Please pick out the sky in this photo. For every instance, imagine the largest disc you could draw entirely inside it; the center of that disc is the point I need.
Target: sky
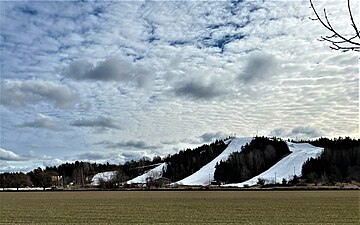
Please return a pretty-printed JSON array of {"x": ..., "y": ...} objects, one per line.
[{"x": 113, "y": 81}]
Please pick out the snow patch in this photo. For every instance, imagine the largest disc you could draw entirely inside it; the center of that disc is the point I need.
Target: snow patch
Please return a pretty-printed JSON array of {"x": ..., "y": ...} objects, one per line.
[
  {"x": 205, "y": 175},
  {"x": 25, "y": 189},
  {"x": 105, "y": 176},
  {"x": 154, "y": 173}
]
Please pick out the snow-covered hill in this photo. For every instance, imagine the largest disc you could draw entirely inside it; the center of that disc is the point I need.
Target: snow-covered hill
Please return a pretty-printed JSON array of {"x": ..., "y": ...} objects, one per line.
[
  {"x": 287, "y": 167},
  {"x": 206, "y": 173},
  {"x": 106, "y": 176},
  {"x": 154, "y": 173}
]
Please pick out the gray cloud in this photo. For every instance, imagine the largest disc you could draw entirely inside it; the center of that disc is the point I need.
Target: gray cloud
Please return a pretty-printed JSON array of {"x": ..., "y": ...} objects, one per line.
[
  {"x": 78, "y": 70},
  {"x": 95, "y": 155},
  {"x": 111, "y": 69},
  {"x": 137, "y": 144},
  {"x": 297, "y": 133},
  {"x": 259, "y": 66},
  {"x": 169, "y": 142},
  {"x": 211, "y": 136},
  {"x": 7, "y": 155},
  {"x": 306, "y": 132},
  {"x": 112, "y": 156},
  {"x": 44, "y": 122},
  {"x": 279, "y": 132},
  {"x": 22, "y": 93},
  {"x": 100, "y": 121},
  {"x": 200, "y": 91},
  {"x": 135, "y": 154}
]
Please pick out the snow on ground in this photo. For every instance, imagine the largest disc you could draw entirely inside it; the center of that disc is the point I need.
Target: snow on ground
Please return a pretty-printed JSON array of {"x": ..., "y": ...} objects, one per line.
[
  {"x": 106, "y": 176},
  {"x": 24, "y": 189},
  {"x": 155, "y": 173},
  {"x": 206, "y": 173},
  {"x": 287, "y": 167}
]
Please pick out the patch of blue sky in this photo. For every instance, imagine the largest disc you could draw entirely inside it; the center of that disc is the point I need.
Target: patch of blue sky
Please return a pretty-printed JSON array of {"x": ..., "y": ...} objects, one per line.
[{"x": 220, "y": 43}]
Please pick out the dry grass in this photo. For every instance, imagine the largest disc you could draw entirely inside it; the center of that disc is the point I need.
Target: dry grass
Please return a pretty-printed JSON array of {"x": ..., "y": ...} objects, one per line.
[{"x": 181, "y": 207}]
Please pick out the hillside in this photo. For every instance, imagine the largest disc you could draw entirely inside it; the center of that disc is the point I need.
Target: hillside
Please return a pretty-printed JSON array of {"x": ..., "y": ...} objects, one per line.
[
  {"x": 104, "y": 176},
  {"x": 206, "y": 173},
  {"x": 253, "y": 158},
  {"x": 287, "y": 167},
  {"x": 187, "y": 162},
  {"x": 154, "y": 173}
]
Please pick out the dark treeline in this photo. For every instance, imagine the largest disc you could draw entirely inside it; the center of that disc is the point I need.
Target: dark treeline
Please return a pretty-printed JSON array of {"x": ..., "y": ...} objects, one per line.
[
  {"x": 254, "y": 158},
  {"x": 135, "y": 168},
  {"x": 15, "y": 180},
  {"x": 76, "y": 173},
  {"x": 188, "y": 161},
  {"x": 80, "y": 173},
  {"x": 339, "y": 162}
]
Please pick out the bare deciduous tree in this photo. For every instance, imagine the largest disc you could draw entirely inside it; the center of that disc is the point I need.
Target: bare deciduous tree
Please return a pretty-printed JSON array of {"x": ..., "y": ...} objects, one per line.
[{"x": 338, "y": 41}]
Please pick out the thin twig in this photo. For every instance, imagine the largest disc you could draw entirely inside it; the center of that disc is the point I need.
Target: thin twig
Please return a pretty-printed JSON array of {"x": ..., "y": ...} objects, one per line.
[
  {"x": 336, "y": 35},
  {"x": 352, "y": 20}
]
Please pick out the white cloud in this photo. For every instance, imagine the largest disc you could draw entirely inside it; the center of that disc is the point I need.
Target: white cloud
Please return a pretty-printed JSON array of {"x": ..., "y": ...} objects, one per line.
[
  {"x": 7, "y": 155},
  {"x": 13, "y": 167},
  {"x": 53, "y": 162}
]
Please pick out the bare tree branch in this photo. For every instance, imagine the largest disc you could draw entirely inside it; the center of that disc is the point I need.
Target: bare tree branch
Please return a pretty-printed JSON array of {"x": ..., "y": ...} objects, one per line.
[
  {"x": 345, "y": 43},
  {"x": 352, "y": 20}
]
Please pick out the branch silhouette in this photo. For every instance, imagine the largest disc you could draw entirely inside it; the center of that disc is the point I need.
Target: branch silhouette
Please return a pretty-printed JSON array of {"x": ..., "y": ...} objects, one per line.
[{"x": 337, "y": 40}]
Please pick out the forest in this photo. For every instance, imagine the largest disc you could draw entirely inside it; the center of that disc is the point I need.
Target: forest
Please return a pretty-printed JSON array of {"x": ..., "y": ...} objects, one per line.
[
  {"x": 254, "y": 158},
  {"x": 79, "y": 174},
  {"x": 339, "y": 162},
  {"x": 187, "y": 162}
]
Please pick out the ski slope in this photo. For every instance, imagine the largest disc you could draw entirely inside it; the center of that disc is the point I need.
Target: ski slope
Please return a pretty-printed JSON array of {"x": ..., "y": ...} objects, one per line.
[
  {"x": 106, "y": 176},
  {"x": 287, "y": 167},
  {"x": 154, "y": 173},
  {"x": 206, "y": 173}
]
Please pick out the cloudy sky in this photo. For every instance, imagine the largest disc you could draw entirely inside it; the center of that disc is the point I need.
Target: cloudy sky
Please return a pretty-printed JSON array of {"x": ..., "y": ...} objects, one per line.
[{"x": 114, "y": 81}]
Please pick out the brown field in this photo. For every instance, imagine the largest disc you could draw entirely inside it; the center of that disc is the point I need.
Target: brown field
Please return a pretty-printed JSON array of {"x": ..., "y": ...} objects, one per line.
[{"x": 181, "y": 207}]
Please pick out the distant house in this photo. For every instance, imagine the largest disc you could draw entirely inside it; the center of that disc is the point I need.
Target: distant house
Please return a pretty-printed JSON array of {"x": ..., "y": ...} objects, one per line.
[{"x": 57, "y": 181}]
